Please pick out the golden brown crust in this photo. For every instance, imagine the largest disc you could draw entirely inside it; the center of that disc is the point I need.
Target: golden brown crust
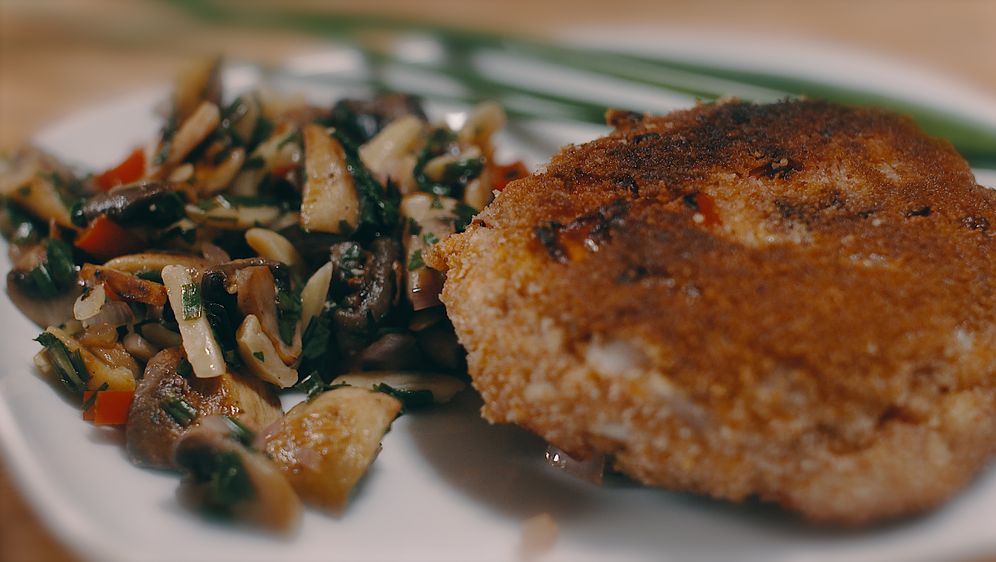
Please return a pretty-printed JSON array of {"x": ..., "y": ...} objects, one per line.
[{"x": 795, "y": 301}]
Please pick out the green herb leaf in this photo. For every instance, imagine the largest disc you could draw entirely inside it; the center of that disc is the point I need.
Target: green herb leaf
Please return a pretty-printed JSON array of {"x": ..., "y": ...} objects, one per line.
[
  {"x": 288, "y": 313},
  {"x": 415, "y": 261},
  {"x": 154, "y": 276},
  {"x": 89, "y": 402},
  {"x": 240, "y": 431},
  {"x": 378, "y": 204},
  {"x": 59, "y": 257},
  {"x": 464, "y": 214},
  {"x": 462, "y": 171},
  {"x": 410, "y": 399},
  {"x": 68, "y": 366},
  {"x": 254, "y": 163},
  {"x": 190, "y": 297},
  {"x": 182, "y": 412},
  {"x": 259, "y": 355},
  {"x": 42, "y": 281},
  {"x": 317, "y": 336},
  {"x": 414, "y": 228}
]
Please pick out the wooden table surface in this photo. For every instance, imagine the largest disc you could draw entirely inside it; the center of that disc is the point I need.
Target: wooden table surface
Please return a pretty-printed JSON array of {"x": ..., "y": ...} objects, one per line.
[{"x": 57, "y": 56}]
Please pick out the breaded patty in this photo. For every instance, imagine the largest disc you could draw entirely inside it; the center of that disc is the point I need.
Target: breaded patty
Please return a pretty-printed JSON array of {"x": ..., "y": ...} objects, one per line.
[{"x": 794, "y": 301}]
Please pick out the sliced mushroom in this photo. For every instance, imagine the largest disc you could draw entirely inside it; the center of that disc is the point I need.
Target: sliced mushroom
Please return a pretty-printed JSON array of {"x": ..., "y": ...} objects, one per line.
[
  {"x": 439, "y": 343},
  {"x": 483, "y": 122},
  {"x": 396, "y": 141},
  {"x": 199, "y": 82},
  {"x": 330, "y": 202},
  {"x": 102, "y": 341},
  {"x": 260, "y": 356},
  {"x": 145, "y": 203},
  {"x": 33, "y": 180},
  {"x": 325, "y": 445},
  {"x": 223, "y": 474},
  {"x": 147, "y": 262},
  {"x": 274, "y": 156},
  {"x": 366, "y": 288},
  {"x": 478, "y": 192},
  {"x": 139, "y": 347},
  {"x": 219, "y": 289},
  {"x": 228, "y": 270},
  {"x": 40, "y": 197},
  {"x": 430, "y": 220},
  {"x": 242, "y": 117},
  {"x": 257, "y": 295},
  {"x": 225, "y": 216},
  {"x": 124, "y": 285},
  {"x": 392, "y": 351},
  {"x": 167, "y": 403},
  {"x": 193, "y": 130},
  {"x": 211, "y": 177}
]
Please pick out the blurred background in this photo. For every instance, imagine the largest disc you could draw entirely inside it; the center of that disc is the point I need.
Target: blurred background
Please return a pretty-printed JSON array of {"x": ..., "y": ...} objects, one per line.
[{"x": 58, "y": 56}]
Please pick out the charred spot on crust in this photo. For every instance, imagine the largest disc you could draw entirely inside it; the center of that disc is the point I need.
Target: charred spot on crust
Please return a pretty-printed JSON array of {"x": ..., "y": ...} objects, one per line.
[
  {"x": 780, "y": 168},
  {"x": 919, "y": 212},
  {"x": 638, "y": 272},
  {"x": 645, "y": 137},
  {"x": 549, "y": 237},
  {"x": 690, "y": 200},
  {"x": 787, "y": 210},
  {"x": 603, "y": 219},
  {"x": 806, "y": 211},
  {"x": 627, "y": 182},
  {"x": 589, "y": 231}
]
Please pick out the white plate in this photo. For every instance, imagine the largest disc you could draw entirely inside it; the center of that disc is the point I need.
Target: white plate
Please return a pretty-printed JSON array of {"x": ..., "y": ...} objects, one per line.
[{"x": 446, "y": 487}]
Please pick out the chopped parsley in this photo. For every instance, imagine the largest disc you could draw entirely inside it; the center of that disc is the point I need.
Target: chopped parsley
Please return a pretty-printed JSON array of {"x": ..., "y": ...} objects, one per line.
[
  {"x": 254, "y": 163},
  {"x": 415, "y": 261},
  {"x": 414, "y": 228},
  {"x": 190, "y": 297},
  {"x": 288, "y": 312},
  {"x": 378, "y": 204},
  {"x": 462, "y": 171},
  {"x": 464, "y": 214}
]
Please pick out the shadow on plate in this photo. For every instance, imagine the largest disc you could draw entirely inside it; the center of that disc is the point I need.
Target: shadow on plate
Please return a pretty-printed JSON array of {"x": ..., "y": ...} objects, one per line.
[{"x": 502, "y": 467}]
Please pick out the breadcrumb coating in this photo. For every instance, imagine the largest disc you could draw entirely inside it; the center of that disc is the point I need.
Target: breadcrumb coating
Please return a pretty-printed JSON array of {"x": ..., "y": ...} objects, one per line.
[{"x": 794, "y": 301}]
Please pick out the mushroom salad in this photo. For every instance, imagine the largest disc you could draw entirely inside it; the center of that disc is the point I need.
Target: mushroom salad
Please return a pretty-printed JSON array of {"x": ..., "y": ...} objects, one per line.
[{"x": 255, "y": 247}]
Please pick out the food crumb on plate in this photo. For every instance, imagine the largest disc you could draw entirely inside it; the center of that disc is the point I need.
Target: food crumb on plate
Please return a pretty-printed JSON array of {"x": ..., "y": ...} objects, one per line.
[{"x": 539, "y": 534}]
